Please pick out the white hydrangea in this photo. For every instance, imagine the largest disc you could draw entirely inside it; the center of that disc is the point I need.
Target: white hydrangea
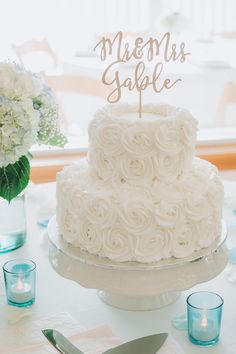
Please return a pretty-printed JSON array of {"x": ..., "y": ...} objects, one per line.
[
  {"x": 18, "y": 129},
  {"x": 28, "y": 114},
  {"x": 17, "y": 83}
]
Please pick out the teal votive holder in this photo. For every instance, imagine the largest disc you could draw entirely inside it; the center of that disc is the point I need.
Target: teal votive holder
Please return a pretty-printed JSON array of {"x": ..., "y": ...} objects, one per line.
[
  {"x": 204, "y": 311},
  {"x": 19, "y": 277}
]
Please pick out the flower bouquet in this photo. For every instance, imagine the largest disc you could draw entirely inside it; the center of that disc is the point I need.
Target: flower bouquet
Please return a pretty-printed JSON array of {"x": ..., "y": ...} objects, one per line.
[{"x": 28, "y": 115}]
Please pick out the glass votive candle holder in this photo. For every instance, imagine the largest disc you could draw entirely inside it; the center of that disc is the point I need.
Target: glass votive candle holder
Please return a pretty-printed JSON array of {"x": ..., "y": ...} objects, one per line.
[
  {"x": 19, "y": 277},
  {"x": 204, "y": 311}
]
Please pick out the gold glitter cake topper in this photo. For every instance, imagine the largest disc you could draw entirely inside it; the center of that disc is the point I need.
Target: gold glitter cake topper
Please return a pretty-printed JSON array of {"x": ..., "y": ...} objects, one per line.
[{"x": 122, "y": 52}]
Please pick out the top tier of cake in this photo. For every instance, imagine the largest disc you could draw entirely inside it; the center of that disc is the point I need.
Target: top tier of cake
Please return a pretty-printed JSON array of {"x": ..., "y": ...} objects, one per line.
[{"x": 124, "y": 148}]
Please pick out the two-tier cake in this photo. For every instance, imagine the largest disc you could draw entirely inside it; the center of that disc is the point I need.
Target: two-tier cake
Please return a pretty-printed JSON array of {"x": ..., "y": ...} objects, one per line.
[{"x": 140, "y": 195}]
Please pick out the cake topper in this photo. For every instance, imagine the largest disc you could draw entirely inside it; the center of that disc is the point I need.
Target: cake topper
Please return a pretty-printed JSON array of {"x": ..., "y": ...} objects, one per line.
[{"x": 120, "y": 52}]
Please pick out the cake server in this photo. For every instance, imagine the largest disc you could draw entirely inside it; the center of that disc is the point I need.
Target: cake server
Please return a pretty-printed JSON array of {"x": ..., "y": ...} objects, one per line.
[
  {"x": 61, "y": 343},
  {"x": 145, "y": 345}
]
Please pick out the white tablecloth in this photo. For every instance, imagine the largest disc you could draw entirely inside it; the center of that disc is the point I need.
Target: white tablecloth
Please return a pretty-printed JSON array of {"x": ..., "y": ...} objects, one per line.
[{"x": 55, "y": 294}]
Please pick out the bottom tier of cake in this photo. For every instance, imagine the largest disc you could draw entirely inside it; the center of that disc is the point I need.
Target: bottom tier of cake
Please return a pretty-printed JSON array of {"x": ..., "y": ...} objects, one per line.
[{"x": 143, "y": 223}]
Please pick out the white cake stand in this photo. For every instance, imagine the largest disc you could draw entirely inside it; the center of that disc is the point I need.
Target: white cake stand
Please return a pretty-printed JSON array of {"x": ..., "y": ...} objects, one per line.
[{"x": 132, "y": 285}]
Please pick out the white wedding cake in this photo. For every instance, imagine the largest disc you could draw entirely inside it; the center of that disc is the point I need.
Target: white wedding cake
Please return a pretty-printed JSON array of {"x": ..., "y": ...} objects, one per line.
[{"x": 140, "y": 195}]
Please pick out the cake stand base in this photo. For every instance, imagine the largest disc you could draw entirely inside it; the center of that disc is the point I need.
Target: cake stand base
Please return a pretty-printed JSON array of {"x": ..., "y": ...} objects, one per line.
[
  {"x": 133, "y": 285},
  {"x": 138, "y": 303}
]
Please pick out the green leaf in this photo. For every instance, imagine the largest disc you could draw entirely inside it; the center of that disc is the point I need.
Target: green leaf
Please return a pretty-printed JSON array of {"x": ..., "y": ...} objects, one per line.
[
  {"x": 29, "y": 155},
  {"x": 14, "y": 178}
]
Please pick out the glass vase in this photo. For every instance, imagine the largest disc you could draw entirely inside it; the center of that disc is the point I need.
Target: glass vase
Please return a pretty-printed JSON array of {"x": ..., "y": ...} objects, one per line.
[{"x": 12, "y": 223}]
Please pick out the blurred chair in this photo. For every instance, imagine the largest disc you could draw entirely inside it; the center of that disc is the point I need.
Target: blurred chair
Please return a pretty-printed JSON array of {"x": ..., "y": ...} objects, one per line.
[
  {"x": 77, "y": 84},
  {"x": 227, "y": 99},
  {"x": 37, "y": 55},
  {"x": 64, "y": 85},
  {"x": 67, "y": 88}
]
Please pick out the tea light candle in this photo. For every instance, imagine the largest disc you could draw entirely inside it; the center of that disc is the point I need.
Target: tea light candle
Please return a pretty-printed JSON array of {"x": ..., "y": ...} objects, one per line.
[
  {"x": 204, "y": 317},
  {"x": 20, "y": 292},
  {"x": 204, "y": 329},
  {"x": 19, "y": 276}
]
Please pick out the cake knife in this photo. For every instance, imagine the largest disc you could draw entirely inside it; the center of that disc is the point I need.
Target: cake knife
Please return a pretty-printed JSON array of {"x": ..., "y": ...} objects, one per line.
[{"x": 145, "y": 345}]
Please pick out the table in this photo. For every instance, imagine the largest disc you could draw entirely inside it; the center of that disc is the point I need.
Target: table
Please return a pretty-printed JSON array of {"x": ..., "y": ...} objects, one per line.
[{"x": 55, "y": 294}]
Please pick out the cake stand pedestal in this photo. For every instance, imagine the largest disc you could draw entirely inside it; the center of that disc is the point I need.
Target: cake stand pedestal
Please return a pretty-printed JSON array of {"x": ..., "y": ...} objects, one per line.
[{"x": 133, "y": 285}]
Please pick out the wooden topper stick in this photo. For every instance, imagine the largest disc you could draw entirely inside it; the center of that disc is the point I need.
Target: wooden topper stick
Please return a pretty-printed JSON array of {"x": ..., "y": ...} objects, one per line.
[{"x": 140, "y": 104}]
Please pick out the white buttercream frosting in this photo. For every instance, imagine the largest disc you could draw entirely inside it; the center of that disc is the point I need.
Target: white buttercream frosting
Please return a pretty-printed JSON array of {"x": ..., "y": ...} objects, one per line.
[
  {"x": 140, "y": 195},
  {"x": 124, "y": 147}
]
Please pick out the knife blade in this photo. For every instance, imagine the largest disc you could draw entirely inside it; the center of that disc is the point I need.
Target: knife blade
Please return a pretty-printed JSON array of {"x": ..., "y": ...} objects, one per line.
[
  {"x": 61, "y": 343},
  {"x": 145, "y": 345}
]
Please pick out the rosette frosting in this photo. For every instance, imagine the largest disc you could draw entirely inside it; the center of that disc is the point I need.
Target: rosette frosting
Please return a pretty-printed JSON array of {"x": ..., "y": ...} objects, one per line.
[
  {"x": 140, "y": 196},
  {"x": 159, "y": 145}
]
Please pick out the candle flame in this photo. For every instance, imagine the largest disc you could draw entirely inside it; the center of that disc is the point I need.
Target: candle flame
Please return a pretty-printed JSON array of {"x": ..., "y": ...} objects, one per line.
[
  {"x": 204, "y": 321},
  {"x": 20, "y": 285}
]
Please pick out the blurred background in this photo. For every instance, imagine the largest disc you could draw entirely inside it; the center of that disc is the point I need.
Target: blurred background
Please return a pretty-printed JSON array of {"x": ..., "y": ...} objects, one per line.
[{"x": 56, "y": 39}]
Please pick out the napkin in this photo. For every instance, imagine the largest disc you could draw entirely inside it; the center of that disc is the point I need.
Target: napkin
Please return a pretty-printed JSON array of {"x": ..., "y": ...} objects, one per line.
[{"x": 92, "y": 341}]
